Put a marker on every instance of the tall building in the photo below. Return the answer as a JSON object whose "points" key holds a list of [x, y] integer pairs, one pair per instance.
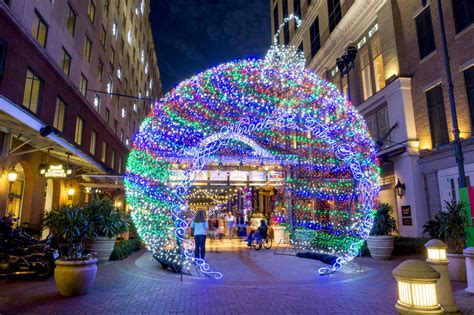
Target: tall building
{"points": [[399, 85], [77, 77]]}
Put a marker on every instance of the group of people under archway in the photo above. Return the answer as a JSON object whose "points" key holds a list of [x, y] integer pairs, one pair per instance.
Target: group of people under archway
{"points": [[201, 227]]}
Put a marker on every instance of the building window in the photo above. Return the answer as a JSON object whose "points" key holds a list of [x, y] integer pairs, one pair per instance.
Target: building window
{"points": [[120, 164], [314, 37], [66, 62], [379, 125], [115, 28], [106, 7], [83, 85], [364, 59], [39, 29], [71, 21], [112, 159], [469, 78], [437, 116], [107, 115], [3, 53], [79, 130], [103, 35], [33, 89], [100, 70], [93, 142], [334, 13], [91, 11], [121, 135], [115, 126], [104, 151], [87, 49], [463, 14], [424, 31], [371, 68], [59, 114], [110, 85], [97, 102], [377, 63], [112, 57]]}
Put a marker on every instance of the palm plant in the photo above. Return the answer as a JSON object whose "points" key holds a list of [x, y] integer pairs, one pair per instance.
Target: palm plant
{"points": [[384, 223], [449, 226], [105, 219], [70, 226]]}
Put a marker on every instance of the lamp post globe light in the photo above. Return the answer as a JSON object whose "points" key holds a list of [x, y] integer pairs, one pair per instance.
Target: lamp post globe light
{"points": [[417, 293], [437, 259]]}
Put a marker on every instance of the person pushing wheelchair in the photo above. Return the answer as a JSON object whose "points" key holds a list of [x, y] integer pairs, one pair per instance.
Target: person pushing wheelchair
{"points": [[262, 233]]}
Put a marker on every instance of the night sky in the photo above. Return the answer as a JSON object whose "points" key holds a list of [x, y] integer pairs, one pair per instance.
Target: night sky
{"points": [[194, 35]]}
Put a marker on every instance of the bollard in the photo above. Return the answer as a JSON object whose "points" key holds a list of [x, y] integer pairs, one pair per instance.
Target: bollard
{"points": [[437, 259], [469, 254], [416, 282]]}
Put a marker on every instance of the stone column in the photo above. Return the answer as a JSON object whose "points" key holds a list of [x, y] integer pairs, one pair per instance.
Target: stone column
{"points": [[469, 254]]}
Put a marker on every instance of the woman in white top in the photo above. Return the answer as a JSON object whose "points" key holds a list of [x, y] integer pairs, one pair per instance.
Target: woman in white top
{"points": [[200, 227]]}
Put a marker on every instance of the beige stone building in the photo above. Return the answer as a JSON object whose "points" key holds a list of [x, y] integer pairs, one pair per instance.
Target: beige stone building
{"points": [[399, 85], [77, 77]]}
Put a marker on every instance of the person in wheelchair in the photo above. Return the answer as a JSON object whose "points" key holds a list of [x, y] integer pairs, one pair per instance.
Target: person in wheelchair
{"points": [[261, 233]]}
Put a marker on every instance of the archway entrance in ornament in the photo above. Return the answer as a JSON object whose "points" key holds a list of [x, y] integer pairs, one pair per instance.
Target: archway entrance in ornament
{"points": [[263, 114]]}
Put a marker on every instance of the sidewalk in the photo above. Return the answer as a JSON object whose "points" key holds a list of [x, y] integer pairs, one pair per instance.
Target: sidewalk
{"points": [[255, 282]]}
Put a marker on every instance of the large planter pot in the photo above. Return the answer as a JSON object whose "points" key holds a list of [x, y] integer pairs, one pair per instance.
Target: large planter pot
{"points": [[75, 277], [457, 267], [380, 247], [279, 234], [103, 246]]}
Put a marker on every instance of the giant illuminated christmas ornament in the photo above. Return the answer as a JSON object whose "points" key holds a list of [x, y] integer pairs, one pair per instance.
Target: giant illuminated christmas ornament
{"points": [[271, 111]]}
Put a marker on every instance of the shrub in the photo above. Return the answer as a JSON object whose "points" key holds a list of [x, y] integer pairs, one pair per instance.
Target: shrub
{"points": [[384, 223], [449, 226], [123, 249]]}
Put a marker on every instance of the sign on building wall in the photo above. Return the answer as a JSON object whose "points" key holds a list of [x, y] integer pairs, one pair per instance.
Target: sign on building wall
{"points": [[55, 171], [406, 215]]}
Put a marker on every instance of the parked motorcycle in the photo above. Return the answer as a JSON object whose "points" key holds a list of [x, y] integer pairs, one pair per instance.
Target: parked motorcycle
{"points": [[20, 254]]}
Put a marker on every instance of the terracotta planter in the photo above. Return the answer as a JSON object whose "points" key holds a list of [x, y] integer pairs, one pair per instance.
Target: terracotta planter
{"points": [[457, 267], [103, 246], [380, 247], [74, 277]]}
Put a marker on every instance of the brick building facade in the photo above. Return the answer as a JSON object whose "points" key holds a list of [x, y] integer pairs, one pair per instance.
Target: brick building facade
{"points": [[76, 80], [399, 85]]}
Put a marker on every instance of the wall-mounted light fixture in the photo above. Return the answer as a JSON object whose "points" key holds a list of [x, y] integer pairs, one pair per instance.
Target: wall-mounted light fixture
{"points": [[400, 189]]}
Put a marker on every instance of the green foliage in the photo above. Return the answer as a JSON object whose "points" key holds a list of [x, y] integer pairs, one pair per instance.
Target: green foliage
{"points": [[449, 226], [384, 223], [123, 249], [406, 246], [105, 219], [71, 227]]}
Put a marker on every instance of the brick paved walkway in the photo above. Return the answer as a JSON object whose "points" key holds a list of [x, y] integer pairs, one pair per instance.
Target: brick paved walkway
{"points": [[255, 282]]}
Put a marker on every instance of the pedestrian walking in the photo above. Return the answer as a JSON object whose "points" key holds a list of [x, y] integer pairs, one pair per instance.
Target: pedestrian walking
{"points": [[199, 227], [230, 221]]}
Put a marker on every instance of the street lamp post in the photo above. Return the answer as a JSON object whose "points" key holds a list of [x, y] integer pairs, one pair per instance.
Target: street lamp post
{"points": [[345, 65], [452, 104]]}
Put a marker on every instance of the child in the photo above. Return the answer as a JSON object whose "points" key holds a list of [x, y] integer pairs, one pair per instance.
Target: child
{"points": [[220, 232]]}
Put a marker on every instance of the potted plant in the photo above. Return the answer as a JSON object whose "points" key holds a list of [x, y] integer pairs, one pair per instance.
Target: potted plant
{"points": [[106, 222], [380, 241], [75, 272], [449, 226]]}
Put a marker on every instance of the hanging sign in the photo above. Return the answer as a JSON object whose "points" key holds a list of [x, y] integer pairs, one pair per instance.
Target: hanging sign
{"points": [[55, 171], [275, 176], [238, 176]]}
